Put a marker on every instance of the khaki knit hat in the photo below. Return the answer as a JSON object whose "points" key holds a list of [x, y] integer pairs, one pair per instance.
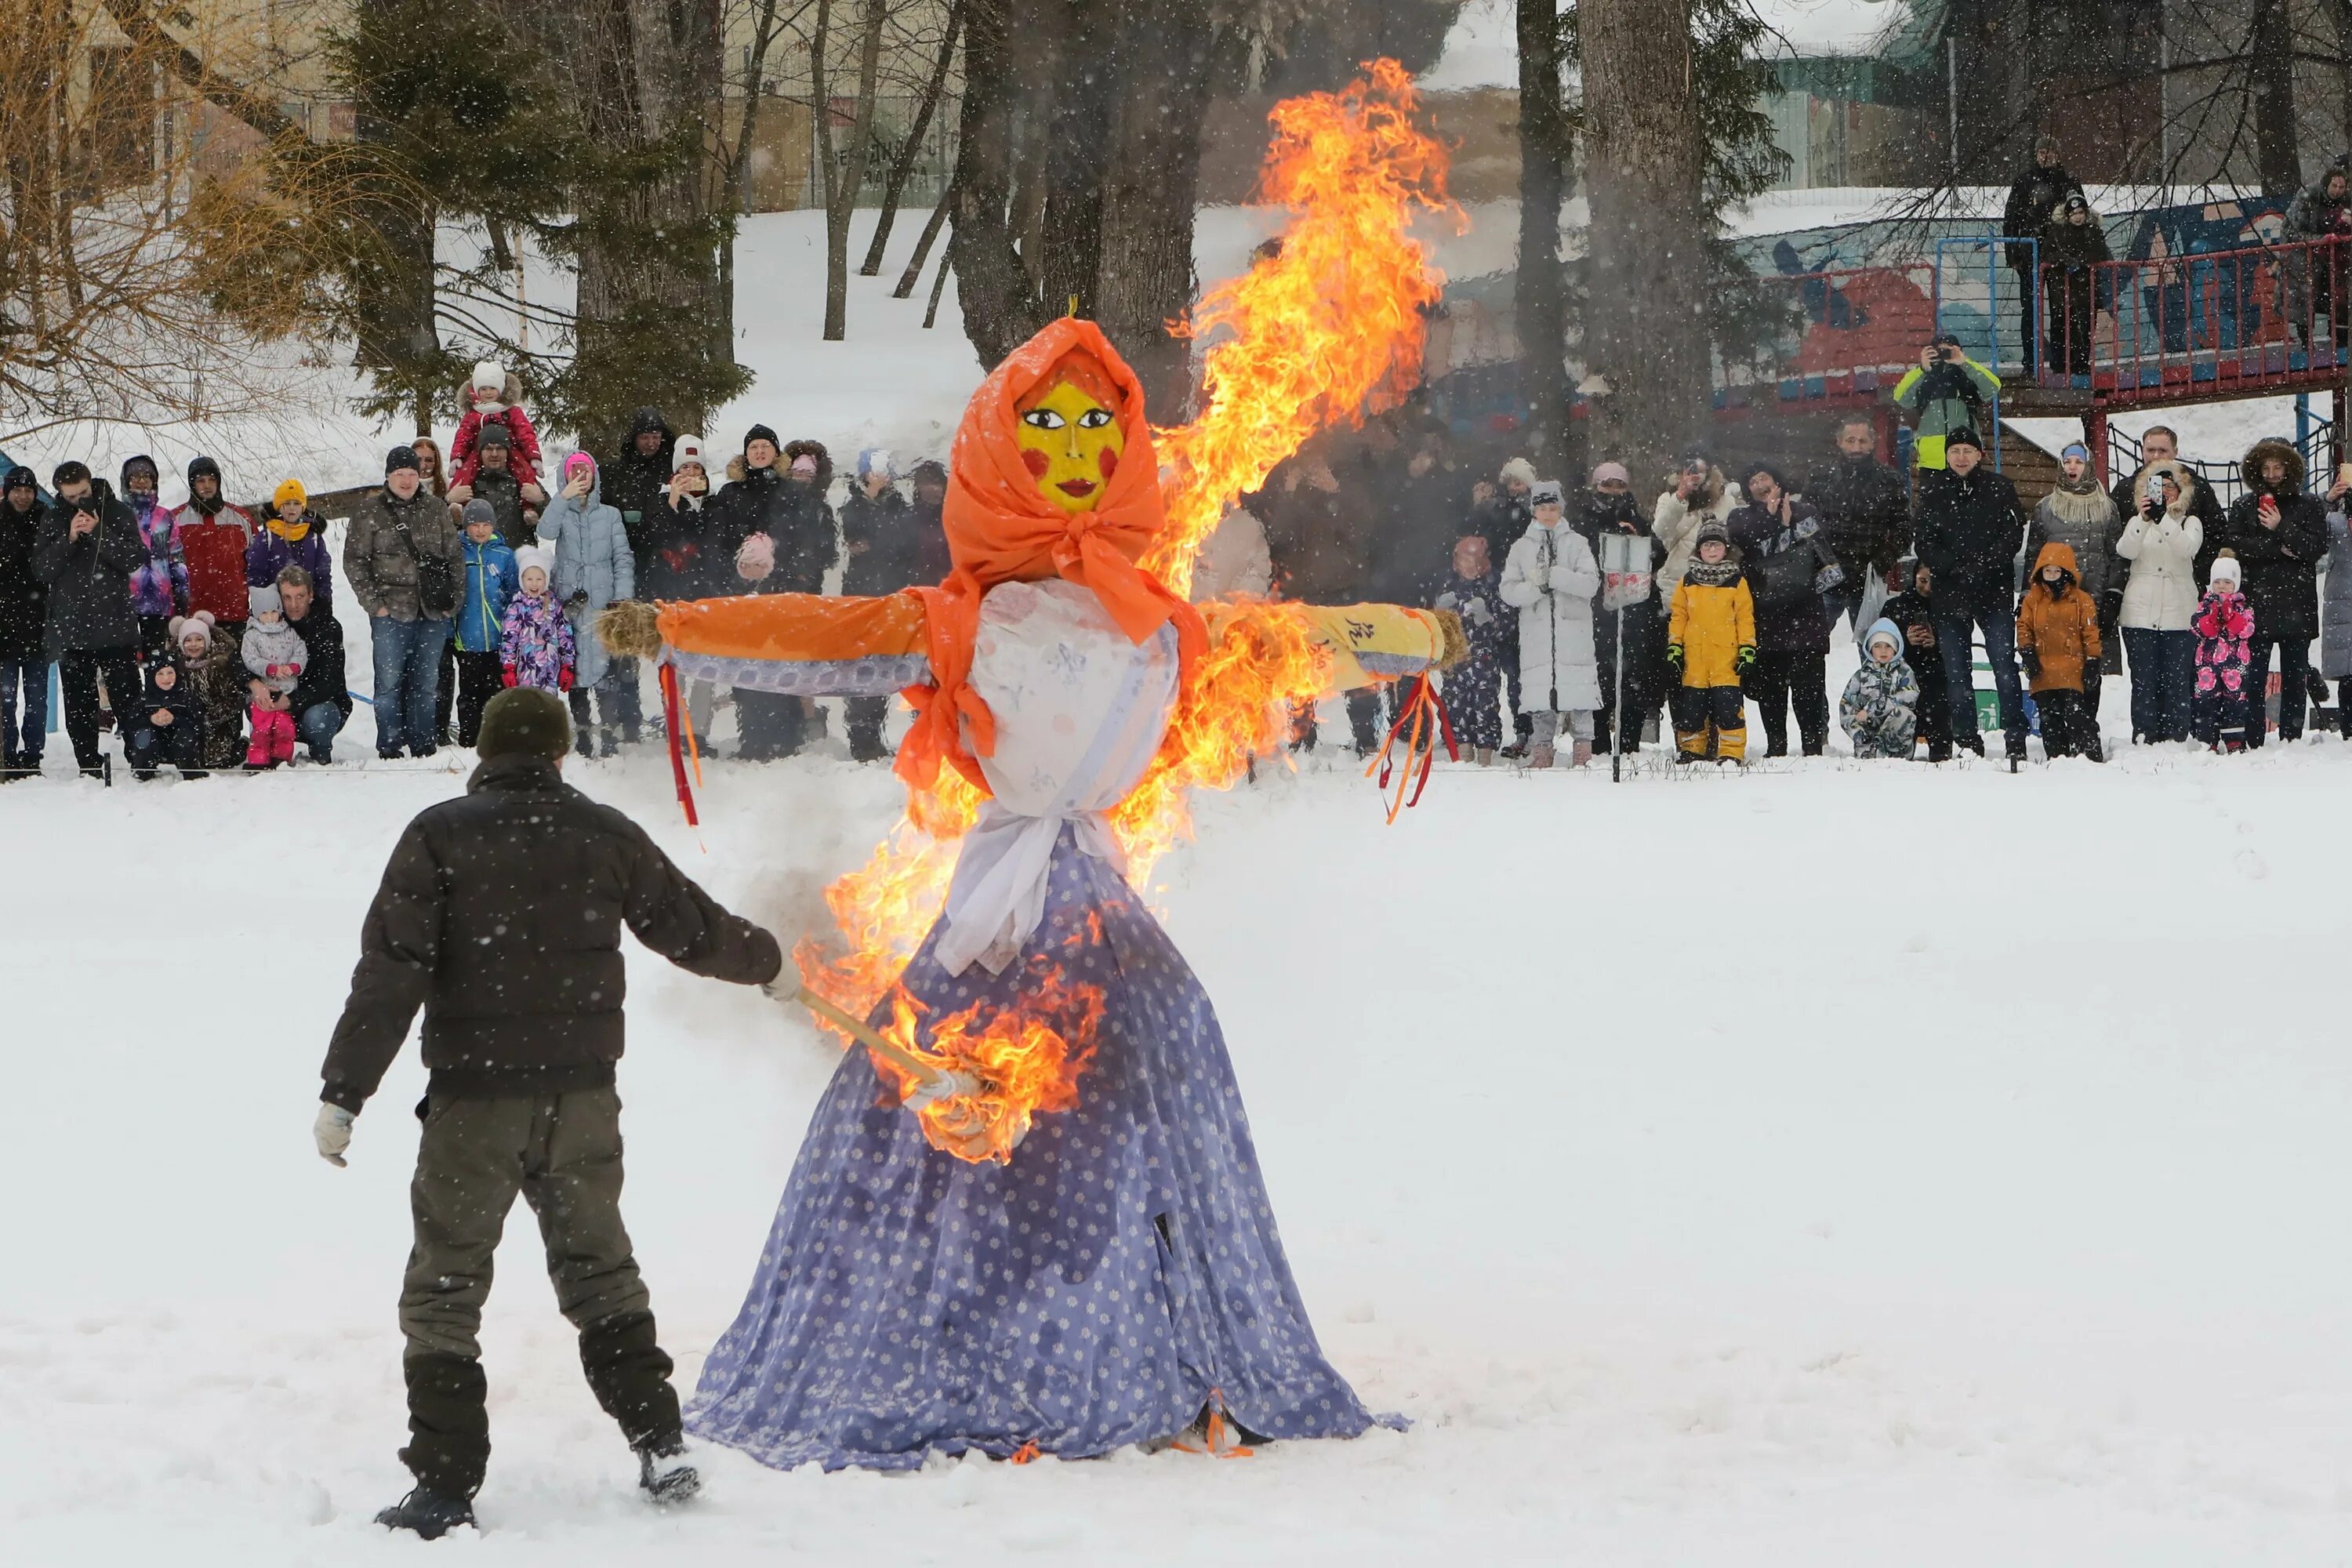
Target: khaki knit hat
{"points": [[525, 721]]}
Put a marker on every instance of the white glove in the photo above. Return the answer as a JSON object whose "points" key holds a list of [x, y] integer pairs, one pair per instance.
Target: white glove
{"points": [[946, 1086], [1544, 575], [1447, 601], [333, 1133], [1478, 612]]}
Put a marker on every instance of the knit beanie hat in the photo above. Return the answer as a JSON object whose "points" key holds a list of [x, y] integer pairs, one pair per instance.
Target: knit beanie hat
{"points": [[21, 478], [875, 460], [402, 456], [686, 450], [198, 626], [531, 555], [1545, 493], [489, 377], [1521, 469], [757, 557], [479, 510], [525, 721], [494, 433], [197, 466], [1965, 436], [1711, 528], [1608, 471], [290, 490], [760, 433], [2226, 569], [264, 598], [577, 462]]}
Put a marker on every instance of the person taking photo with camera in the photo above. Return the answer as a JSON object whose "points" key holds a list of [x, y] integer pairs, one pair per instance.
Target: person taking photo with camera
{"points": [[1947, 391]]}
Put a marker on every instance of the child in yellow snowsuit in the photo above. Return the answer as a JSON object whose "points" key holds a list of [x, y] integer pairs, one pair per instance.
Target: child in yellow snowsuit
{"points": [[1710, 642]]}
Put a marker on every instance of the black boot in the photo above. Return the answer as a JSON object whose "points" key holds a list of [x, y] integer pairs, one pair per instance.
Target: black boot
{"points": [[1972, 743], [430, 1514], [662, 1471]]}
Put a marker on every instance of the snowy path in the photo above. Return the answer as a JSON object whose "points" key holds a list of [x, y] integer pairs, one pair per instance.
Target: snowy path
{"points": [[1857, 1165]]}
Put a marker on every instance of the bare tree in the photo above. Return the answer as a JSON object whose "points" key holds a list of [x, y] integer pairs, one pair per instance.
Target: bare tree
{"points": [[128, 283], [903, 166], [842, 185]]}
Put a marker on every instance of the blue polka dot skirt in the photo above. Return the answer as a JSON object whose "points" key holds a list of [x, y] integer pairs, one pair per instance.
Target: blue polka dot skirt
{"points": [[1097, 1291]]}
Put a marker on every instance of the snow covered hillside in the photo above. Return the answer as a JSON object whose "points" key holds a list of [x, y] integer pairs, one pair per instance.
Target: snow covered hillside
{"points": [[1841, 1163]]}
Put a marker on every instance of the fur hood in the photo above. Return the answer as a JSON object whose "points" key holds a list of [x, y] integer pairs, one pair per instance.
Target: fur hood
{"points": [[509, 396], [2183, 475], [2261, 452], [782, 467], [1709, 498]]}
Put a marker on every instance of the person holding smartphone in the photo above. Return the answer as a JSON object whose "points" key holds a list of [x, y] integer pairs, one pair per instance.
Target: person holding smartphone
{"points": [[87, 549], [2280, 536], [1944, 392]]}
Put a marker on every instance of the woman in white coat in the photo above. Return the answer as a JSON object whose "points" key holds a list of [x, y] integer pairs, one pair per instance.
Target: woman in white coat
{"points": [[1551, 578], [2161, 544]]}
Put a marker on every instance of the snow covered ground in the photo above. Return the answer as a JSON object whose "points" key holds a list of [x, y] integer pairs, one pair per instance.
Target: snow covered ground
{"points": [[1841, 1163]]}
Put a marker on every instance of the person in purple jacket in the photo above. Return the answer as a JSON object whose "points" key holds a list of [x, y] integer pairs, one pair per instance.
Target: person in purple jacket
{"points": [[294, 536], [159, 587]]}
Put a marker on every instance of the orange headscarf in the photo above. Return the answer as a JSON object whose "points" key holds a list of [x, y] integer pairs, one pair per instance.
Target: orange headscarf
{"points": [[1002, 528]]}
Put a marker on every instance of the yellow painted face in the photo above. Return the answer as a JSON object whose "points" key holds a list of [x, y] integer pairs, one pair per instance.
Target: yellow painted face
{"points": [[1070, 444]]}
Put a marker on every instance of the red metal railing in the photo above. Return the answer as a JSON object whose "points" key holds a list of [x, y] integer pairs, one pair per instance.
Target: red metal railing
{"points": [[2167, 328]]}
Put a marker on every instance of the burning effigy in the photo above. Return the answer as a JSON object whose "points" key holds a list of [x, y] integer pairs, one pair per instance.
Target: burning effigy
{"points": [[1028, 1217]]}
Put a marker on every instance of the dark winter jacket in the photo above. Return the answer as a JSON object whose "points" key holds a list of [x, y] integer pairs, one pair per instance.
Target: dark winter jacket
{"points": [[794, 514], [1911, 611], [1865, 515], [1426, 517], [323, 679], [1500, 520], [1601, 513], [387, 538], [893, 544], [504, 492], [22, 594], [1970, 530], [2282, 563], [500, 915], [271, 552], [89, 579], [222, 690], [637, 486], [1315, 539], [1785, 562], [184, 702], [1487, 624], [2031, 199], [2074, 248], [687, 557]]}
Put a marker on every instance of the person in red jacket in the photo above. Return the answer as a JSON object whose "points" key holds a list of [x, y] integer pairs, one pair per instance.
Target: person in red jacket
{"points": [[214, 536], [494, 393]]}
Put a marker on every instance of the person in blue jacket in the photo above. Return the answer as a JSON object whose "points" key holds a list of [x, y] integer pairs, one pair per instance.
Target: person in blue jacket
{"points": [[491, 579]]}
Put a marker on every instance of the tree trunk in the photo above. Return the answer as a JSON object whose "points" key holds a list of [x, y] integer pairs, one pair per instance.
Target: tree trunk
{"points": [[393, 293], [1079, 141], [1000, 307], [648, 244], [2271, 42], [1645, 309], [1145, 279], [902, 166], [842, 203], [1539, 293], [923, 243]]}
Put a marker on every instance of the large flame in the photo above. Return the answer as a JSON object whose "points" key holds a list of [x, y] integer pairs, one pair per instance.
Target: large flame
{"points": [[1324, 327]]}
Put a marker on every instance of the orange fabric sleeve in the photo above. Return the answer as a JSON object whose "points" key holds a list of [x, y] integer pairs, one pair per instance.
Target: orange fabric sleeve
{"points": [[799, 627]]}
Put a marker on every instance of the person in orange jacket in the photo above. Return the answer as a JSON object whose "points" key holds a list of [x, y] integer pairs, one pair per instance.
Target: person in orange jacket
{"points": [[1710, 644], [2058, 642]]}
